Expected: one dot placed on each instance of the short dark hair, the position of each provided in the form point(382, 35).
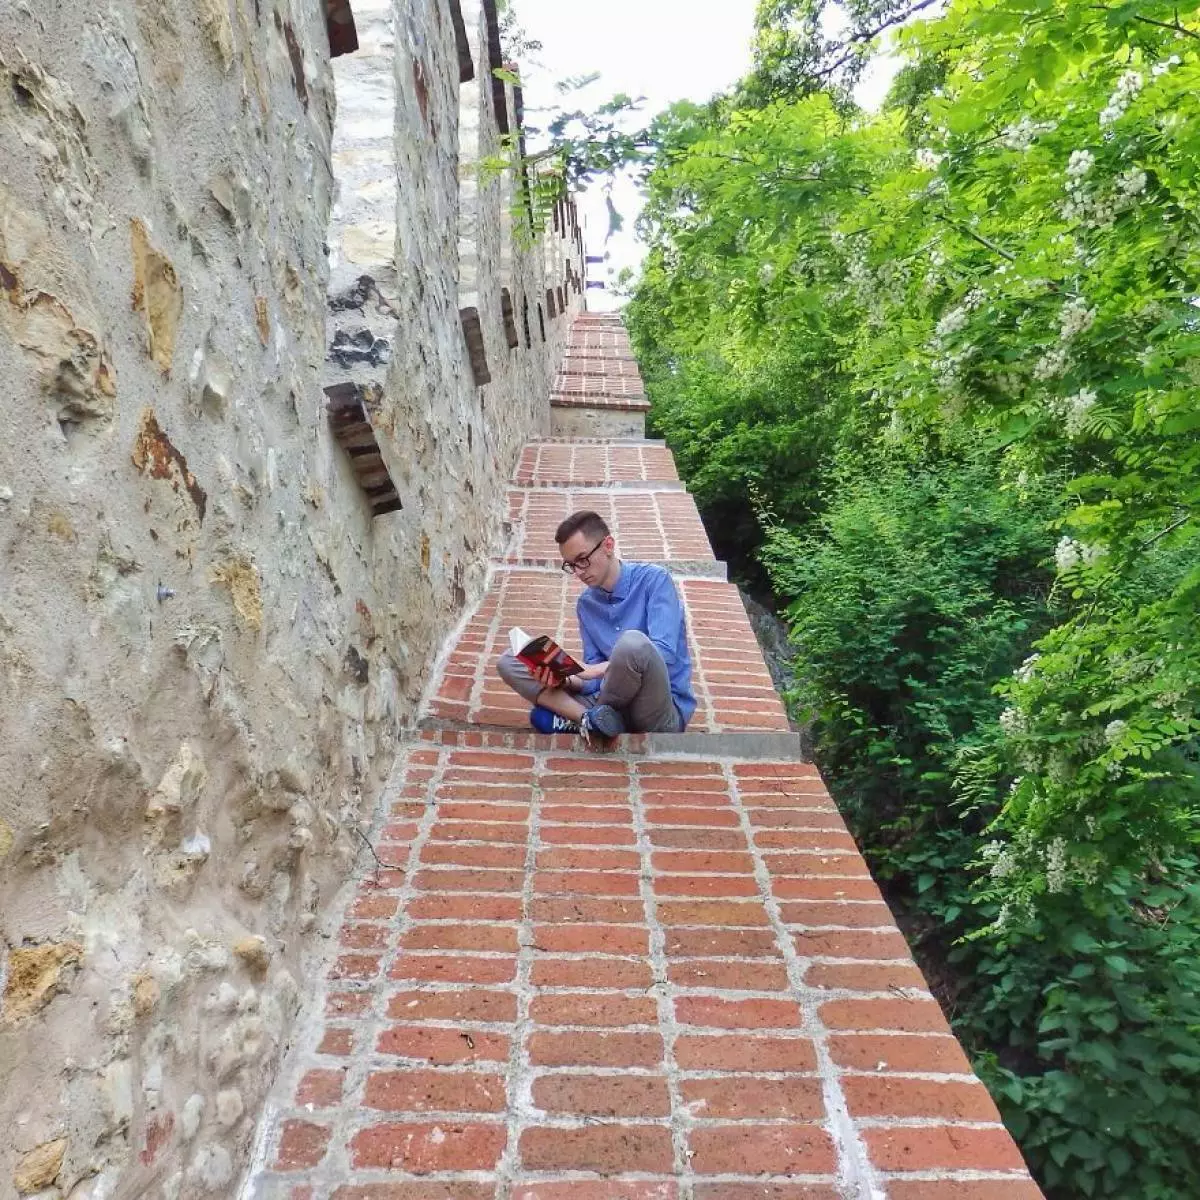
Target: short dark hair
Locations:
point(591, 524)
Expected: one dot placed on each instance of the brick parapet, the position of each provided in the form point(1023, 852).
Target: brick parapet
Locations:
point(664, 973)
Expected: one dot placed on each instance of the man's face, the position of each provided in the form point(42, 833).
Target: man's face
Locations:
point(599, 557)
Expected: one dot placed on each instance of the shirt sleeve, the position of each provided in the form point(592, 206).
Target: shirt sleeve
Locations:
point(664, 616)
point(591, 652)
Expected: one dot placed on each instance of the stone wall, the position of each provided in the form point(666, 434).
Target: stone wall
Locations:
point(209, 647)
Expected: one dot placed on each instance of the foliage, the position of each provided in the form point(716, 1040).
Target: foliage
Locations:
point(942, 361)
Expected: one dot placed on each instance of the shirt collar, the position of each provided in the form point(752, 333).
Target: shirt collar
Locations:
point(620, 589)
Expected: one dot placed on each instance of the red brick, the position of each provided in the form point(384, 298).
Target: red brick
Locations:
point(394, 839)
point(851, 944)
point(435, 1091)
point(764, 1149)
point(583, 1008)
point(899, 1052)
point(460, 937)
point(586, 814)
point(492, 761)
point(811, 913)
point(591, 883)
point(708, 818)
point(449, 880)
point(338, 1042)
point(385, 879)
point(443, 1046)
point(843, 865)
point(579, 1189)
point(407, 812)
point(754, 975)
point(461, 1004)
point(348, 1004)
point(799, 1098)
point(693, 861)
point(429, 1146)
point(807, 888)
point(602, 1148)
point(473, 856)
point(705, 885)
point(575, 858)
point(905, 1016)
point(502, 814)
point(416, 1191)
point(603, 1095)
point(678, 769)
point(595, 1049)
point(735, 1052)
point(362, 936)
point(710, 799)
point(942, 1147)
point(588, 909)
point(864, 977)
point(768, 1191)
point(588, 835)
point(585, 770)
point(593, 939)
point(790, 837)
point(963, 1189)
point(477, 831)
point(459, 906)
point(698, 839)
point(592, 973)
point(721, 943)
point(356, 966)
point(301, 1145)
point(896, 1096)
point(737, 1014)
point(321, 1087)
point(486, 792)
point(712, 912)
point(374, 906)
point(454, 968)
point(602, 797)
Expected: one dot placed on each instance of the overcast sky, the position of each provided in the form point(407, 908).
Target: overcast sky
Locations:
point(664, 50)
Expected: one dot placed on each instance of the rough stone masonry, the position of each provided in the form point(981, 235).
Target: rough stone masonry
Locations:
point(209, 641)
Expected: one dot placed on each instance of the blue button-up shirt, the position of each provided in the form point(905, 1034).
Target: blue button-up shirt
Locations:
point(644, 597)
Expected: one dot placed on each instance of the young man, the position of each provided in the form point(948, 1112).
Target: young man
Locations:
point(638, 673)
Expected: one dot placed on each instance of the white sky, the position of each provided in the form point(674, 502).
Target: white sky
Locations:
point(664, 50)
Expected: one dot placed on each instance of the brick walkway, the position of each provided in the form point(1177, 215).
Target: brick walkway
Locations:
point(639, 976)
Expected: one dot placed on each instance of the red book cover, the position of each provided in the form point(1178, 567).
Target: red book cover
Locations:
point(543, 651)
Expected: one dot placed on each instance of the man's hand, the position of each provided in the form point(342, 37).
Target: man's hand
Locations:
point(595, 671)
point(546, 677)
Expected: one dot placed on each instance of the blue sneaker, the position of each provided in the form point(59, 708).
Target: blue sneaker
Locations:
point(602, 722)
point(545, 721)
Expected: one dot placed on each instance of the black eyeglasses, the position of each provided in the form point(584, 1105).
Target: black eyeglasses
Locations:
point(581, 563)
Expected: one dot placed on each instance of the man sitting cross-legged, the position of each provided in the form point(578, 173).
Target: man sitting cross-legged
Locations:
point(638, 673)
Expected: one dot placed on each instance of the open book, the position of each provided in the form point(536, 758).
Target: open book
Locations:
point(542, 651)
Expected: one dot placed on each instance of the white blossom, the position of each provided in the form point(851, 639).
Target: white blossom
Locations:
point(1056, 865)
point(1092, 553)
point(951, 322)
point(1114, 731)
point(1128, 87)
point(1080, 163)
point(1074, 410)
point(1012, 721)
point(1052, 364)
point(1025, 672)
point(1066, 554)
point(1075, 317)
point(1022, 135)
point(1161, 68)
point(766, 273)
point(929, 160)
point(1132, 182)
